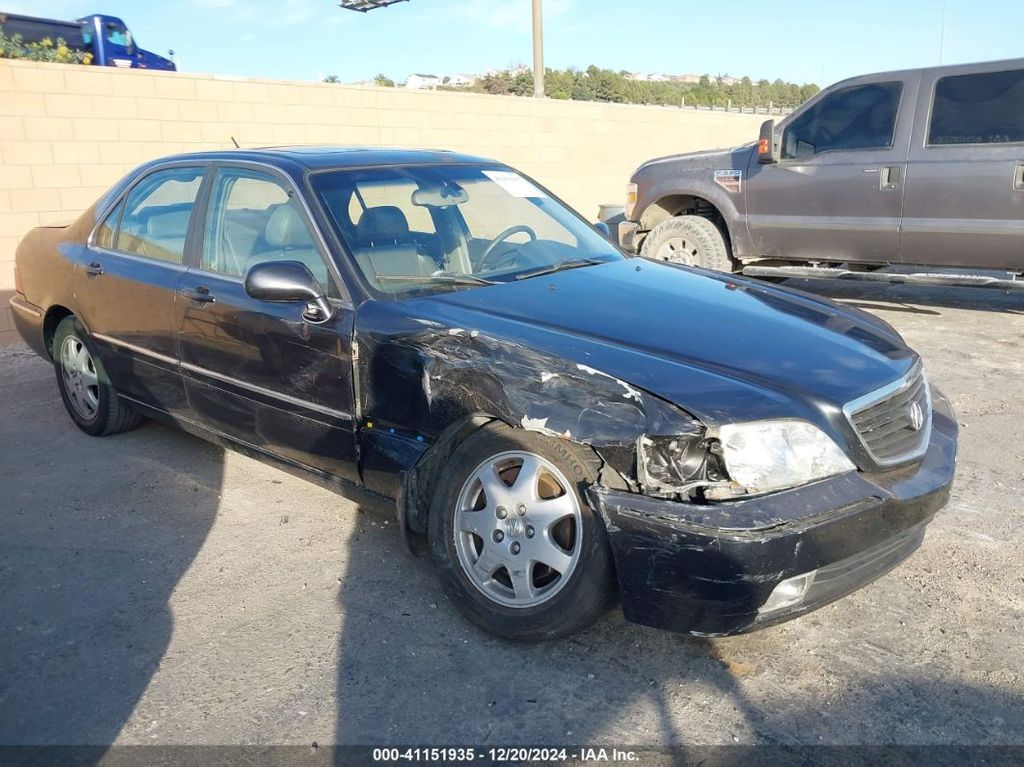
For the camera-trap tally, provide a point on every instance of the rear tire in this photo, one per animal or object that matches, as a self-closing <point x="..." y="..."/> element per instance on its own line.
<point x="521" y="555"/>
<point x="690" y="241"/>
<point x="88" y="395"/>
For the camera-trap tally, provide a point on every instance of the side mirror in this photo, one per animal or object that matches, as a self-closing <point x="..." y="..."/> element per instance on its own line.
<point x="766" y="153"/>
<point x="605" y="230"/>
<point x="288" y="281"/>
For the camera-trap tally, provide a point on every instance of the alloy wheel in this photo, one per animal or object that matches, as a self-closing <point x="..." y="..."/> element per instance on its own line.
<point x="518" y="529"/>
<point x="81" y="381"/>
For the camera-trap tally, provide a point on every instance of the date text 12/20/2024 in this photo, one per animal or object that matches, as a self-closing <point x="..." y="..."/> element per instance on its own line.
<point x="512" y="754"/>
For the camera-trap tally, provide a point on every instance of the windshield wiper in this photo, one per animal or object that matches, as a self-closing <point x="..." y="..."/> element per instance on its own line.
<point x="449" y="277"/>
<point x="575" y="263"/>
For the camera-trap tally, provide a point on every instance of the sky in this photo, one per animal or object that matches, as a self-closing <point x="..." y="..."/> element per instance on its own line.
<point x="800" y="41"/>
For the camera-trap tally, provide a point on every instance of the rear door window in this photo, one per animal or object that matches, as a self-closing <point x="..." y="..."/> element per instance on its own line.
<point x="156" y="215"/>
<point x="986" y="108"/>
<point x="859" y="117"/>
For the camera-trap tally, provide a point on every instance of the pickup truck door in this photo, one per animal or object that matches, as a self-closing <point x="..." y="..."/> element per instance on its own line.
<point x="836" y="193"/>
<point x="965" y="181"/>
<point x="126" y="281"/>
<point x="259" y="372"/>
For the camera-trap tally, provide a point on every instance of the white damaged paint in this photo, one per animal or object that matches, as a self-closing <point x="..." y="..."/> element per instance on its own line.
<point x="540" y="425"/>
<point x="631" y="392"/>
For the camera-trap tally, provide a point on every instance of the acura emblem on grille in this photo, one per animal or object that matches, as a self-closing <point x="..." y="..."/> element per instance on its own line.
<point x="916" y="414"/>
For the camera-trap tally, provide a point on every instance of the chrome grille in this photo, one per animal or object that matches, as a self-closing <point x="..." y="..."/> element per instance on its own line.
<point x="894" y="423"/>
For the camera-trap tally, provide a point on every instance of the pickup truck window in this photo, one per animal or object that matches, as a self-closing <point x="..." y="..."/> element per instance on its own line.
<point x="859" y="117"/>
<point x="985" y="108"/>
<point x="156" y="215"/>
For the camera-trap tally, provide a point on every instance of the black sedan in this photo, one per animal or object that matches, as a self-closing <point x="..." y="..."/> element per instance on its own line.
<point x="558" y="425"/>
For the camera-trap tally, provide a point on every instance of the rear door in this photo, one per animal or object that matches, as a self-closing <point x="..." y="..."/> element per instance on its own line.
<point x="255" y="371"/>
<point x="836" y="193"/>
<point x="125" y="287"/>
<point x="965" y="181"/>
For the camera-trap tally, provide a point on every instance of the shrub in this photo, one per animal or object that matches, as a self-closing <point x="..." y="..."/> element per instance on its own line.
<point x="14" y="47"/>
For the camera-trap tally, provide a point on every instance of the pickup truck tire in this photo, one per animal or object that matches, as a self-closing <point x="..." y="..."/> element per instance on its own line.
<point x="492" y="528"/>
<point x="690" y="241"/>
<point x="88" y="395"/>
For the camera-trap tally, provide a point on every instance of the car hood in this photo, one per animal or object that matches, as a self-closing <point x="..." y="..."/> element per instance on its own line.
<point x="721" y="347"/>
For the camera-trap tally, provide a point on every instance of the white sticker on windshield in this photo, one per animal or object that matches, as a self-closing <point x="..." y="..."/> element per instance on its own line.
<point x="514" y="184"/>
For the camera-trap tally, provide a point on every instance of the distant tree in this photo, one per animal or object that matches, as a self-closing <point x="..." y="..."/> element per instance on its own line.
<point x="383" y="81"/>
<point x="597" y="84"/>
<point x="332" y="79"/>
<point x="497" y="83"/>
<point x="522" y="83"/>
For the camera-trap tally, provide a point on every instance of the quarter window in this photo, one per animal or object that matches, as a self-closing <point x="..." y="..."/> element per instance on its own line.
<point x="108" y="229"/>
<point x="859" y="117"/>
<point x="984" y="108"/>
<point x="254" y="219"/>
<point x="156" y="215"/>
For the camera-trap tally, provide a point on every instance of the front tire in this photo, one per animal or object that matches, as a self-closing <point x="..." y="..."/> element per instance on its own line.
<point x="690" y="241"/>
<point x="88" y="395"/>
<point x="515" y="545"/>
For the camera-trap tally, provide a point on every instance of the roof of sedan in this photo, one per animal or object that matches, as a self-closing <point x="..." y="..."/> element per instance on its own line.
<point x="342" y="157"/>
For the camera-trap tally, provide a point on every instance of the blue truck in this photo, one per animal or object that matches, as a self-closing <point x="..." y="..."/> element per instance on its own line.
<point x="105" y="37"/>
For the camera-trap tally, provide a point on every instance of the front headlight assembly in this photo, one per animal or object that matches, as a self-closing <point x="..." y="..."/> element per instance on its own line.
<point x="763" y="456"/>
<point x="738" y="460"/>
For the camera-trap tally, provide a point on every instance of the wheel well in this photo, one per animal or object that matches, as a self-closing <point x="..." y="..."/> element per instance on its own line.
<point x="683" y="205"/>
<point x="418" y="482"/>
<point x="54" y="316"/>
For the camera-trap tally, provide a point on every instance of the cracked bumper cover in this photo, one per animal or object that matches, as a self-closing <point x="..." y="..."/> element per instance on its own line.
<point x="708" y="569"/>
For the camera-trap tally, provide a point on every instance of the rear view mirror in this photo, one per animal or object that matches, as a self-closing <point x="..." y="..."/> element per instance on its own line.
<point x="605" y="230"/>
<point x="285" y="281"/>
<point x="440" y="197"/>
<point x="766" y="151"/>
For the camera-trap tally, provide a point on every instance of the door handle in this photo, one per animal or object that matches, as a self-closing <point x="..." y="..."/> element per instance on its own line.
<point x="200" y="295"/>
<point x="95" y="269"/>
<point x="1018" y="178"/>
<point x="889" y="178"/>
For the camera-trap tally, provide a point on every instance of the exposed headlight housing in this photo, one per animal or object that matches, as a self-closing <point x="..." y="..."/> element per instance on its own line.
<point x="668" y="465"/>
<point x="762" y="456"/>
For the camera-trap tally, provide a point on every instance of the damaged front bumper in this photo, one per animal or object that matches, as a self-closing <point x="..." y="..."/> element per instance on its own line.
<point x="729" y="568"/>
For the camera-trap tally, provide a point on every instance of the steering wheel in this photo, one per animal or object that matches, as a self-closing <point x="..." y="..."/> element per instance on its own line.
<point x="518" y="229"/>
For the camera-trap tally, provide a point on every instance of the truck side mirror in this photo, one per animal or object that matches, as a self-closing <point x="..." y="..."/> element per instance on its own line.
<point x="766" y="154"/>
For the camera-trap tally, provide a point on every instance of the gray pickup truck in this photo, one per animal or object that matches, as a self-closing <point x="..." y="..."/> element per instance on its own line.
<point x="922" y="167"/>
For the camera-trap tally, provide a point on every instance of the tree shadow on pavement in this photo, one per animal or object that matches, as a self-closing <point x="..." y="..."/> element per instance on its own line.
<point x="84" y="582"/>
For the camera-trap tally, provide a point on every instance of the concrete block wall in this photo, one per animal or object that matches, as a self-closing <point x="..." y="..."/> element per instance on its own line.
<point x="68" y="132"/>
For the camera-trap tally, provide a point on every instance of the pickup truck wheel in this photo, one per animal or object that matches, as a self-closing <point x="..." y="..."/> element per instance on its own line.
<point x="90" y="399"/>
<point x="690" y="241"/>
<point x="516" y="547"/>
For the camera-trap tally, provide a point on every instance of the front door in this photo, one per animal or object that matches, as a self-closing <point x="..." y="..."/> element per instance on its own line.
<point x="259" y="372"/>
<point x="125" y="286"/>
<point x="836" y="193"/>
<point x="965" y="184"/>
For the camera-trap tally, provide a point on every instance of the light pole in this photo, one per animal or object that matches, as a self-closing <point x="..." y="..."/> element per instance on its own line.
<point x="538" y="49"/>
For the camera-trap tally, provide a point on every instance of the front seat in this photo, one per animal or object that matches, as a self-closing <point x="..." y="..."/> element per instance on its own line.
<point x="287" y="238"/>
<point x="385" y="247"/>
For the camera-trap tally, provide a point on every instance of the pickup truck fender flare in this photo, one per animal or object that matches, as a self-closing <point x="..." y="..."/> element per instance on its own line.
<point x="668" y="198"/>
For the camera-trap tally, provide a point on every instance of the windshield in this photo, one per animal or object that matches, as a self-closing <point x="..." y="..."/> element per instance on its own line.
<point x="430" y="228"/>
